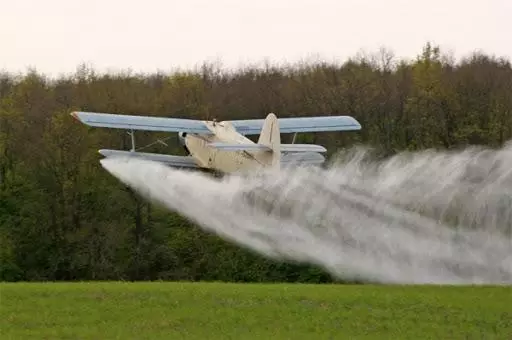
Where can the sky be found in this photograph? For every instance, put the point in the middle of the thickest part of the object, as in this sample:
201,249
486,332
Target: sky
55,36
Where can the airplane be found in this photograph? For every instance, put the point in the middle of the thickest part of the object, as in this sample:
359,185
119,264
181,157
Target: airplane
222,146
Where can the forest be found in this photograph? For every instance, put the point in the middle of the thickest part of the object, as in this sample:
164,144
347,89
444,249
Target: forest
63,217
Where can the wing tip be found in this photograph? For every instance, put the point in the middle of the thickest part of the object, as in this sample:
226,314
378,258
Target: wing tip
80,116
355,123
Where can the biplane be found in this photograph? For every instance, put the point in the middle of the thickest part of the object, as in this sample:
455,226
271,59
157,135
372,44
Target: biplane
223,146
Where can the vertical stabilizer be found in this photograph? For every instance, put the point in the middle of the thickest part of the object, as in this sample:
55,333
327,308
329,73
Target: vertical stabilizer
270,136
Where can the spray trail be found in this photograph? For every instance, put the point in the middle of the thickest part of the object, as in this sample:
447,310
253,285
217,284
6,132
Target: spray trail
426,217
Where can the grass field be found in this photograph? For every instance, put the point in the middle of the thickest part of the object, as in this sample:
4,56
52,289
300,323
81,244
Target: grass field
250,311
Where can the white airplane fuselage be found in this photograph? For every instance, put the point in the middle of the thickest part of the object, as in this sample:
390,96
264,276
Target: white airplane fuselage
222,160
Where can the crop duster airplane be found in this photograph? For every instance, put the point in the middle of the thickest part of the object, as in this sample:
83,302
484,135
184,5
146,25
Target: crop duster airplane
222,146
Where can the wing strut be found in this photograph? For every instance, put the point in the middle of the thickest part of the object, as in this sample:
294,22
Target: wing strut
132,135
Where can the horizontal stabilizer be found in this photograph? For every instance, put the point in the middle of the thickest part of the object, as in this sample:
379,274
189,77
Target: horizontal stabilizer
302,148
239,147
260,147
170,160
118,121
300,124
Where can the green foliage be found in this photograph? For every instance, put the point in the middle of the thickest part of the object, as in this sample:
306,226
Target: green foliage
159,310
62,217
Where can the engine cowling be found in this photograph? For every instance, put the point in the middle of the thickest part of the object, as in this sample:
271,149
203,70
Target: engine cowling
181,137
182,140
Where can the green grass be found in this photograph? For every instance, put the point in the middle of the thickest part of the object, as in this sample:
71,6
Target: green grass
250,311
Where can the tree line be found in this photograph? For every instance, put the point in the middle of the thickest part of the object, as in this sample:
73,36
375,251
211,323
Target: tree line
62,217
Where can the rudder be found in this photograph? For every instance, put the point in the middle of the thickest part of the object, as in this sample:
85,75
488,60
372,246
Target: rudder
270,136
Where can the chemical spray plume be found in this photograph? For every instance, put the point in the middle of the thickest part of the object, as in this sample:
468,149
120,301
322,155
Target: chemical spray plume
425,217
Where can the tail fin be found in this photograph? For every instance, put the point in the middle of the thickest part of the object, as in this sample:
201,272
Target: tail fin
271,137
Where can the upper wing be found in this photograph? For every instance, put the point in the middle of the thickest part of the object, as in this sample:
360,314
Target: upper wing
300,124
117,121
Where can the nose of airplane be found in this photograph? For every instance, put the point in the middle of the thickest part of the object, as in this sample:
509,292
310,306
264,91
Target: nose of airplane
104,152
181,137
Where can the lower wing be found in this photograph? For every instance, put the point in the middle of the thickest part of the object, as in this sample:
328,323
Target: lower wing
189,162
171,160
302,158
